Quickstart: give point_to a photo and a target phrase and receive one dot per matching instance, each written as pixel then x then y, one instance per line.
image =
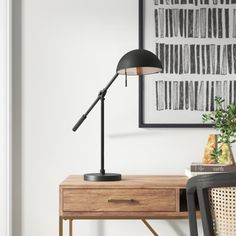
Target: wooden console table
pixel 134 197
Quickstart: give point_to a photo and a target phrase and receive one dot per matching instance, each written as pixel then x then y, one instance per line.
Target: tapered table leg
pixel 60 226
pixel 149 227
pixel 70 227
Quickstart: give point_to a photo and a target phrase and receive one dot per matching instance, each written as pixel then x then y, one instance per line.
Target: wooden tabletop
pixel 128 181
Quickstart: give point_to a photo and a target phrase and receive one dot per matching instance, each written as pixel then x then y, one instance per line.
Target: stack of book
pixel 198 168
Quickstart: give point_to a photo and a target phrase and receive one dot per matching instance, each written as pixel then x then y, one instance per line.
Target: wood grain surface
pixel 134 197
pixel 131 181
pixel 119 200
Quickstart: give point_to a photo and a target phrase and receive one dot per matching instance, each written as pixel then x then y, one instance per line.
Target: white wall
pixel 65 52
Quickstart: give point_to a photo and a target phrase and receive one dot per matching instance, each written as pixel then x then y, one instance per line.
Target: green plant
pixel 223 120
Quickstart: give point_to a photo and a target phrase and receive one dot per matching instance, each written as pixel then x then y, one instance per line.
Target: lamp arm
pixel 101 95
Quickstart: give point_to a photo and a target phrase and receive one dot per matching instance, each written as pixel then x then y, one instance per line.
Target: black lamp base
pixel 102 177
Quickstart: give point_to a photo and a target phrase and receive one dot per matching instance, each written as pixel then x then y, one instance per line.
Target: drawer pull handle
pixel 122 200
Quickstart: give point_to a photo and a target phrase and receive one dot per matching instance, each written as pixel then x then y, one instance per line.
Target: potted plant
pixel 224 121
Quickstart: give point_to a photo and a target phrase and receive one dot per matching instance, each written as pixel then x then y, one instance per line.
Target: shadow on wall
pixel 16 118
pixel 100 228
pixel 177 229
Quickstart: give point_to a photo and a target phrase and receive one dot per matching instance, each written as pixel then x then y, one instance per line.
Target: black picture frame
pixel 142 123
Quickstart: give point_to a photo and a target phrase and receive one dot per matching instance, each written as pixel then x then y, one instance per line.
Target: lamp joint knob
pixel 102 93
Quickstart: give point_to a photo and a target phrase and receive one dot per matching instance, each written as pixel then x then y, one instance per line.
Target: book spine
pixel 203 168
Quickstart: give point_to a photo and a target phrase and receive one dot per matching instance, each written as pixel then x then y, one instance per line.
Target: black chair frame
pixel 201 184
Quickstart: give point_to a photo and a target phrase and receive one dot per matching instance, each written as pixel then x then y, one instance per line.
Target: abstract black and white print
pixel 195 41
pixel 197 58
pixel 193 95
pixel 194 23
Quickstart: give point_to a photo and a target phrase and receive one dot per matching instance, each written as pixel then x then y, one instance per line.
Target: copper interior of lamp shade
pixel 139 71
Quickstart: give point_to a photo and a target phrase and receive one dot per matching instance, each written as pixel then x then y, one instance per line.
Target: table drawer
pixel 119 200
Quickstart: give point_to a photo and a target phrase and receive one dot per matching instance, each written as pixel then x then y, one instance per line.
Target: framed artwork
pixel 196 42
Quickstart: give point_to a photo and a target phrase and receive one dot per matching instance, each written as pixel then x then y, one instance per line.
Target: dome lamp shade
pixel 139 62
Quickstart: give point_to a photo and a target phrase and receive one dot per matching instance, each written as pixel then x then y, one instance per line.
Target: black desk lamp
pixel 136 62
